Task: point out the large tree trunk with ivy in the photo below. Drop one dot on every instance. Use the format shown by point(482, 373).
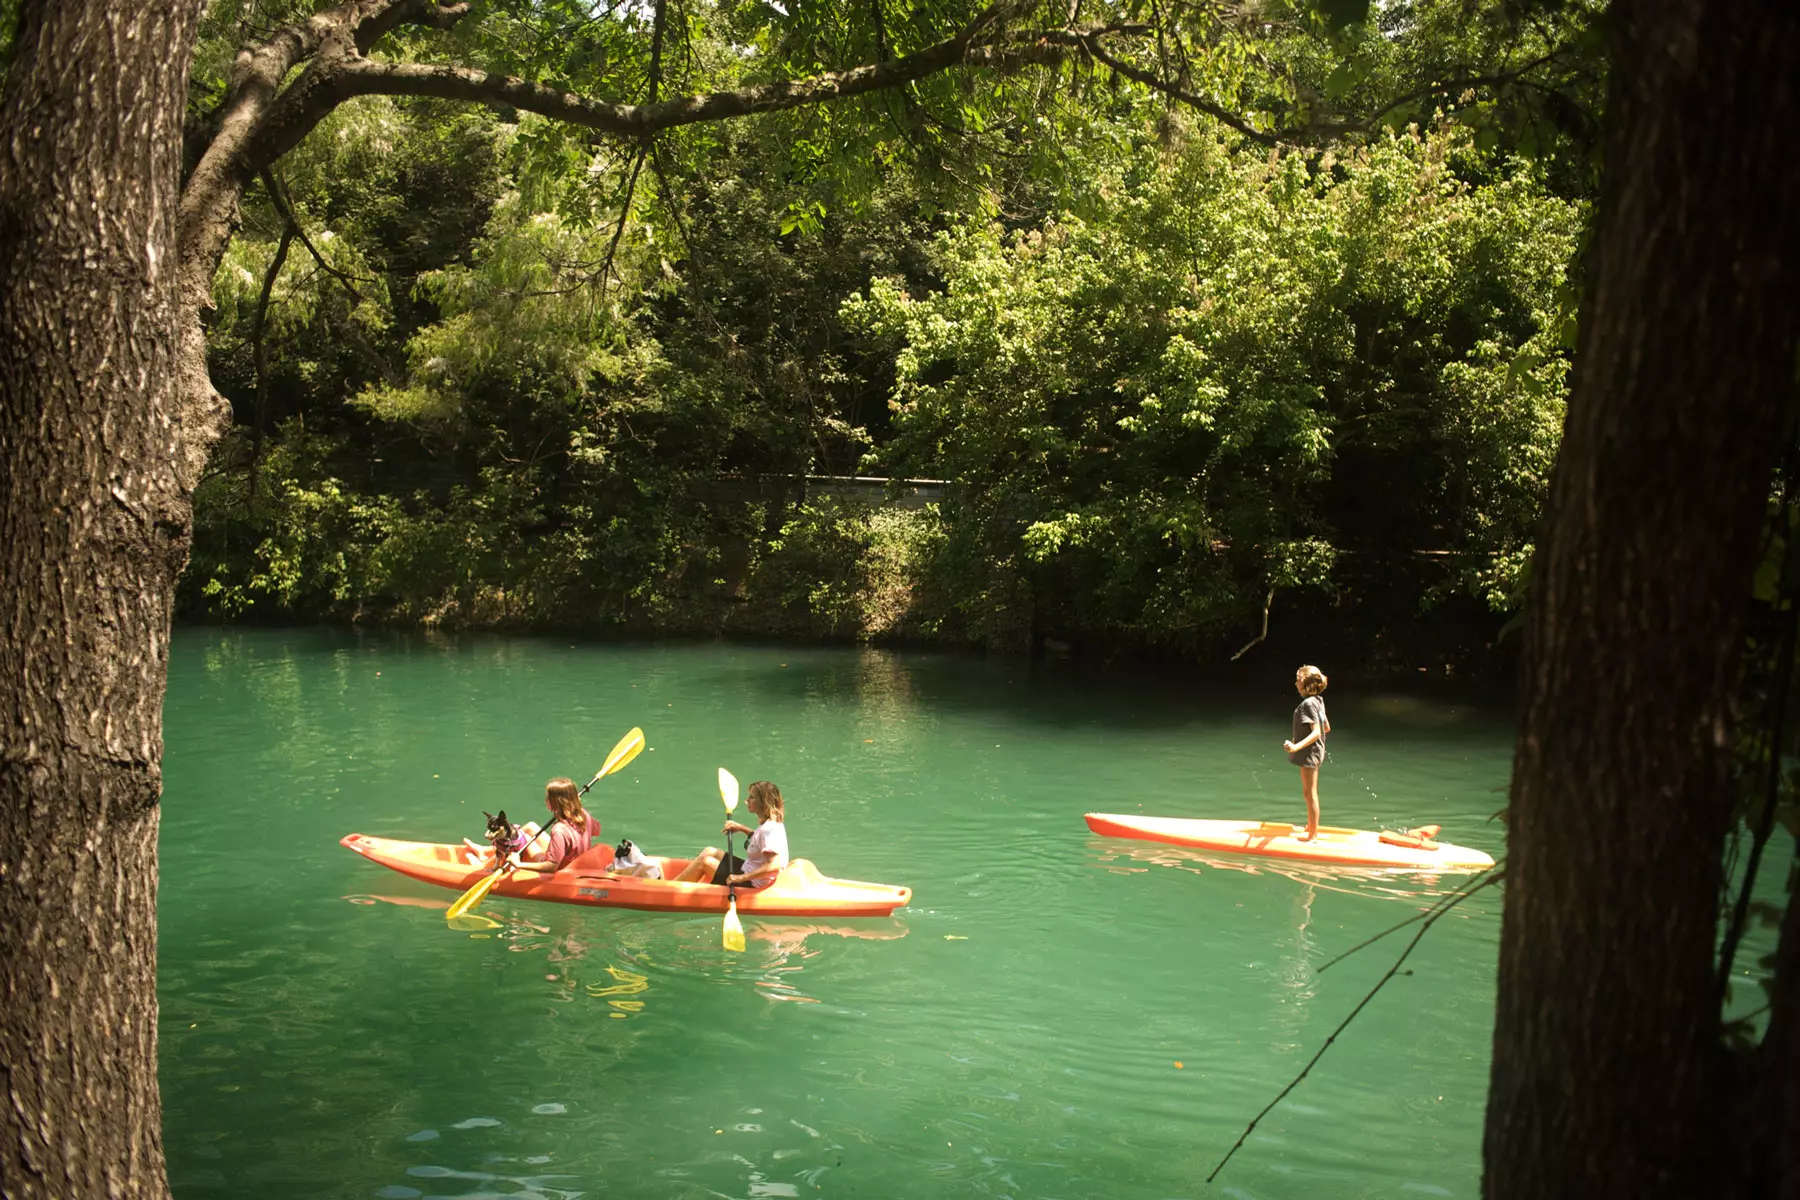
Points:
point(1609, 1077)
point(93, 531)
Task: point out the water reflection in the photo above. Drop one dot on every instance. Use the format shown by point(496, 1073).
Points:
point(1412, 887)
point(779, 950)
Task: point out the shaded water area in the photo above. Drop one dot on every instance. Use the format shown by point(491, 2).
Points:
point(1055, 1015)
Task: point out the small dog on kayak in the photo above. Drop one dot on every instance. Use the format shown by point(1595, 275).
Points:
point(506, 838)
point(629, 860)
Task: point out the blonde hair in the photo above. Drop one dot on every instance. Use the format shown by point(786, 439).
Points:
point(766, 794)
point(565, 801)
point(1311, 680)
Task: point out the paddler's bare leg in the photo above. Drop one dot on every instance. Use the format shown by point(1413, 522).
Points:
point(1309, 787)
point(702, 868)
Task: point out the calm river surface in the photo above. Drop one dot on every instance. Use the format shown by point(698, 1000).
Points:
point(1056, 1015)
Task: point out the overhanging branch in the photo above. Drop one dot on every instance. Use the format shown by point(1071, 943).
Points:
point(335, 77)
point(1091, 43)
point(466, 83)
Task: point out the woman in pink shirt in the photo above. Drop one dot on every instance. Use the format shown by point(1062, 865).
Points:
point(570, 833)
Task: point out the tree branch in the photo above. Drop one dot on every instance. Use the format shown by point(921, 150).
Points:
point(1091, 43)
point(1450, 87)
point(286, 212)
point(332, 79)
point(428, 13)
point(1268, 602)
point(1777, 726)
point(1447, 901)
point(210, 194)
point(612, 249)
point(258, 351)
point(1345, 1023)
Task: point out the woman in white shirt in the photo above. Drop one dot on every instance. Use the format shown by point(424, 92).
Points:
point(764, 855)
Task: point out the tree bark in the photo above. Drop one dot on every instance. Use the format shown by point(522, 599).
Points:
point(93, 531)
point(1608, 1077)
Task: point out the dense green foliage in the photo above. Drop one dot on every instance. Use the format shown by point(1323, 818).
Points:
point(495, 372)
point(1232, 370)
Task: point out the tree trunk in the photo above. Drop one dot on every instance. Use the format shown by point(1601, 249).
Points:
point(93, 532)
point(1608, 1076)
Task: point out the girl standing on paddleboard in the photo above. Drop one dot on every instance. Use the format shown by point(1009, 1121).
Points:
point(1306, 749)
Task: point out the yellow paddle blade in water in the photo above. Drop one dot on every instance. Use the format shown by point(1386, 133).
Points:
point(734, 929)
point(472, 897)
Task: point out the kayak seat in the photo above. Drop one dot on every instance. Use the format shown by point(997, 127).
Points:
point(799, 871)
point(594, 858)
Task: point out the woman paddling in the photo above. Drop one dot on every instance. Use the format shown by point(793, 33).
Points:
point(571, 831)
point(765, 854)
point(1306, 748)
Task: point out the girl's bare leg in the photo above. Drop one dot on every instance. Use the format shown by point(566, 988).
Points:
point(702, 868)
point(1309, 787)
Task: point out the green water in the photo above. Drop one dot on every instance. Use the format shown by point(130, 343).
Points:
point(1015, 1032)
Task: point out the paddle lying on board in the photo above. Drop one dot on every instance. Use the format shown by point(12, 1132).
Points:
point(629, 747)
point(734, 929)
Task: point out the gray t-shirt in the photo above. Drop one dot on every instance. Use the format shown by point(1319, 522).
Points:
point(1309, 713)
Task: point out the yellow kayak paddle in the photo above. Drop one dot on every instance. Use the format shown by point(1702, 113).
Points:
point(629, 747)
point(474, 895)
point(734, 929)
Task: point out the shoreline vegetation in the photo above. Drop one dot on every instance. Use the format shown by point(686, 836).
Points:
point(1193, 402)
point(858, 566)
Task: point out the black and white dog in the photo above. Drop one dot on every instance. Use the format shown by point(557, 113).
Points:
point(629, 860)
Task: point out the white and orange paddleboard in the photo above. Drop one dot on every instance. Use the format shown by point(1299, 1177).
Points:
point(1413, 851)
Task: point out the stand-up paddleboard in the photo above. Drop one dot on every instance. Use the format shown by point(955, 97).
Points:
point(1411, 851)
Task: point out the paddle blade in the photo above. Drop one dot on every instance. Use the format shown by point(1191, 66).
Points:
point(629, 747)
point(734, 929)
point(728, 789)
point(472, 897)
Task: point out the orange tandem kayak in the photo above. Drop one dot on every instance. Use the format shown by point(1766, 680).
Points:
point(799, 891)
point(1278, 839)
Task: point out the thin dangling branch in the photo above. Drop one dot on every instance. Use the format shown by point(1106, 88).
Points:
point(259, 352)
point(1268, 602)
point(644, 143)
point(1392, 971)
point(1777, 725)
point(1452, 898)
